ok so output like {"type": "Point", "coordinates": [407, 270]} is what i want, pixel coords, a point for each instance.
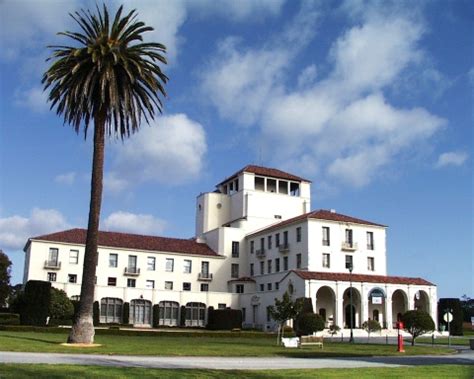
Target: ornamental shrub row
{"type": "Point", "coordinates": [224, 319]}
{"type": "Point", "coordinates": [9, 319]}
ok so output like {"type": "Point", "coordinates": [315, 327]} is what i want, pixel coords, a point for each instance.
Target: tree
{"type": "Point", "coordinates": [5, 273]}
{"type": "Point", "coordinates": [417, 323]}
{"type": "Point", "coordinates": [453, 305]}
{"type": "Point", "coordinates": [60, 306]}
{"type": "Point", "coordinates": [467, 305]}
{"type": "Point", "coordinates": [114, 79]}
{"type": "Point", "coordinates": [371, 326]}
{"type": "Point", "coordinates": [308, 323]}
{"type": "Point", "coordinates": [284, 310]}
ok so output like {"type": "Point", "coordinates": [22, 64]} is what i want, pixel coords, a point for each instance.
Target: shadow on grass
{"type": "Point", "coordinates": [32, 339]}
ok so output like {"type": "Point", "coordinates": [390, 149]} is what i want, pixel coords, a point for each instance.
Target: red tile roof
{"type": "Point", "coordinates": [266, 171]}
{"type": "Point", "coordinates": [132, 242]}
{"type": "Point", "coordinates": [321, 214]}
{"type": "Point", "coordinates": [345, 277]}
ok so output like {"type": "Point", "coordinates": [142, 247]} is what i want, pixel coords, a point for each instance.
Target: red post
{"type": "Point", "coordinates": [400, 338]}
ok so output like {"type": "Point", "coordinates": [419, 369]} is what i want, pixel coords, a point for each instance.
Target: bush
{"type": "Point", "coordinates": [36, 299]}
{"type": "Point", "coordinates": [96, 313]}
{"type": "Point", "coordinates": [60, 306]}
{"type": "Point", "coordinates": [308, 323]}
{"type": "Point", "coordinates": [182, 316]}
{"type": "Point", "coordinates": [126, 312]}
{"type": "Point", "coordinates": [9, 319]}
{"type": "Point", "coordinates": [457, 312]}
{"type": "Point", "coordinates": [57, 322]}
{"type": "Point", "coordinates": [224, 319]}
{"type": "Point", "coordinates": [156, 315]}
{"type": "Point", "coordinates": [371, 326]}
{"type": "Point", "coordinates": [417, 323]}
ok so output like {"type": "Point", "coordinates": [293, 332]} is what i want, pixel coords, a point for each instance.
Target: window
{"type": "Point", "coordinates": [169, 267]}
{"type": "Point", "coordinates": [243, 314]}
{"type": "Point", "coordinates": [349, 262]}
{"type": "Point", "coordinates": [234, 270]}
{"type": "Point", "coordinates": [111, 281]}
{"type": "Point", "coordinates": [326, 260]}
{"type": "Point", "coordinates": [195, 314]}
{"type": "Point", "coordinates": [285, 238]}
{"type": "Point", "coordinates": [370, 240]}
{"type": "Point", "coordinates": [53, 257]}
{"type": "Point", "coordinates": [205, 269]}
{"type": "Point", "coordinates": [113, 260]}
{"type": "Point", "coordinates": [277, 239]}
{"type": "Point", "coordinates": [75, 298]}
{"type": "Point", "coordinates": [151, 263]}
{"type": "Point", "coordinates": [262, 267]}
{"type": "Point", "coordinates": [252, 247]}
{"type": "Point", "coordinates": [269, 314]}
{"type": "Point", "coordinates": [349, 237]}
{"type": "Point", "coordinates": [51, 276]}
{"type": "Point", "coordinates": [278, 217]}
{"type": "Point", "coordinates": [187, 266]}
{"type": "Point", "coordinates": [370, 264]}
{"type": "Point", "coordinates": [72, 278]}
{"type": "Point", "coordinates": [131, 283]}
{"type": "Point", "coordinates": [186, 286]}
{"type": "Point", "coordinates": [110, 310]}
{"type": "Point", "coordinates": [298, 260]}
{"type": "Point", "coordinates": [326, 236]}
{"type": "Point", "coordinates": [132, 263]}
{"type": "Point", "coordinates": [294, 189]}
{"type": "Point", "coordinates": [277, 265]}
{"type": "Point", "coordinates": [283, 187]}
{"type": "Point", "coordinates": [204, 287]}
{"type": "Point", "coordinates": [269, 242]}
{"type": "Point", "coordinates": [168, 285]}
{"type": "Point", "coordinates": [277, 286]}
{"type": "Point", "coordinates": [239, 288]}
{"type": "Point", "coordinates": [221, 306]}
{"type": "Point", "coordinates": [269, 286]}
{"type": "Point", "coordinates": [285, 263]}
{"type": "Point", "coordinates": [259, 184]}
{"type": "Point", "coordinates": [74, 257]}
{"type": "Point", "coordinates": [262, 244]}
{"type": "Point", "coordinates": [235, 249]}
{"type": "Point", "coordinates": [298, 234]}
{"type": "Point", "coordinates": [271, 185]}
{"type": "Point", "coordinates": [150, 284]}
{"type": "Point", "coordinates": [262, 287]}
{"type": "Point", "coordinates": [251, 269]}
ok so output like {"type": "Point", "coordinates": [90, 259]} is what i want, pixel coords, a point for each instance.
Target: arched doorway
{"type": "Point", "coordinates": [399, 305]}
{"type": "Point", "coordinates": [422, 301]}
{"type": "Point", "coordinates": [356, 301]}
{"type": "Point", "coordinates": [376, 303]}
{"type": "Point", "coordinates": [168, 313]}
{"type": "Point", "coordinates": [140, 312]}
{"type": "Point", "coordinates": [326, 305]}
{"type": "Point", "coordinates": [111, 310]}
{"type": "Point", "coordinates": [195, 314]}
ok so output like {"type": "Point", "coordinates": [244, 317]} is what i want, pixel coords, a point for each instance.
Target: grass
{"type": "Point", "coordinates": [15, 371]}
{"type": "Point", "coordinates": [171, 345]}
{"type": "Point", "coordinates": [444, 340]}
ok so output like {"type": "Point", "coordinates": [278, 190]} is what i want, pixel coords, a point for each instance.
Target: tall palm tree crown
{"type": "Point", "coordinates": [106, 74]}
{"type": "Point", "coordinates": [111, 78]}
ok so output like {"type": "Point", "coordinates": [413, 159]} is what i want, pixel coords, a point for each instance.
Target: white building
{"type": "Point", "coordinates": [255, 239]}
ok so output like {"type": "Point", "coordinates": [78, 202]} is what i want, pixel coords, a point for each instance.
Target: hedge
{"type": "Point", "coordinates": [308, 323]}
{"type": "Point", "coordinates": [156, 315]}
{"type": "Point", "coordinates": [96, 313]}
{"type": "Point", "coordinates": [126, 312]}
{"type": "Point", "coordinates": [37, 297]}
{"type": "Point", "coordinates": [224, 319]}
{"type": "Point", "coordinates": [9, 319]}
{"type": "Point", "coordinates": [182, 316]}
{"type": "Point", "coordinates": [456, 324]}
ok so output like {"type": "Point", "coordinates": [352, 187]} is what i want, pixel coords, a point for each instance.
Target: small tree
{"type": "Point", "coordinates": [333, 330]}
{"type": "Point", "coordinates": [5, 272]}
{"type": "Point", "coordinates": [371, 326]}
{"type": "Point", "coordinates": [417, 323]}
{"type": "Point", "coordinates": [308, 323]}
{"type": "Point", "coordinates": [60, 306]}
{"type": "Point", "coordinates": [283, 310]}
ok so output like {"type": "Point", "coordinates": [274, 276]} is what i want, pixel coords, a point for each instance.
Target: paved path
{"type": "Point", "coordinates": [233, 363]}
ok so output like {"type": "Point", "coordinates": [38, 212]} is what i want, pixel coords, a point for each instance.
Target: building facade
{"type": "Point", "coordinates": [255, 239]}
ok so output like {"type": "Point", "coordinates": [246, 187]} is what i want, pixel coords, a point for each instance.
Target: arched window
{"type": "Point", "coordinates": [322, 313]}
{"type": "Point", "coordinates": [140, 312]}
{"type": "Point", "coordinates": [111, 310]}
{"type": "Point", "coordinates": [168, 313]}
{"type": "Point", "coordinates": [195, 314]}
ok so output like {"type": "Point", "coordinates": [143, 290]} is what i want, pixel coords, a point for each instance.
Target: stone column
{"type": "Point", "coordinates": [340, 312]}
{"type": "Point", "coordinates": [388, 312]}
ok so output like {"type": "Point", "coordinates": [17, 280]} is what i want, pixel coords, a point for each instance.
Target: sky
{"type": "Point", "coordinates": [372, 101]}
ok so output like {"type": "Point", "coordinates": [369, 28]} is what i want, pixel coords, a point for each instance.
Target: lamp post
{"type": "Point", "coordinates": [351, 338]}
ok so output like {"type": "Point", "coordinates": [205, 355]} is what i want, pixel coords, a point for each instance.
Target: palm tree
{"type": "Point", "coordinates": [113, 78]}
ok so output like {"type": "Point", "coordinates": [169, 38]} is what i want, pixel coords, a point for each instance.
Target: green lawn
{"type": "Point", "coordinates": [444, 340]}
{"type": "Point", "coordinates": [171, 345]}
{"type": "Point", "coordinates": [10, 371]}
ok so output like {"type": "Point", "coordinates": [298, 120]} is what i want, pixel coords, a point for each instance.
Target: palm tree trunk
{"type": "Point", "coordinates": [82, 330]}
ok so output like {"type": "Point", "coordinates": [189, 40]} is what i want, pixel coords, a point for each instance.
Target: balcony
{"type": "Point", "coordinates": [260, 253]}
{"type": "Point", "coordinates": [52, 265]}
{"type": "Point", "coordinates": [285, 248]}
{"type": "Point", "coordinates": [349, 246]}
{"type": "Point", "coordinates": [131, 271]}
{"type": "Point", "coordinates": [205, 276]}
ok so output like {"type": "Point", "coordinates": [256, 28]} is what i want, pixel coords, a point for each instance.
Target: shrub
{"type": "Point", "coordinates": [308, 323]}
{"type": "Point", "coordinates": [371, 326]}
{"type": "Point", "coordinates": [224, 319]}
{"type": "Point", "coordinates": [60, 307]}
{"type": "Point", "coordinates": [126, 312]}
{"type": "Point", "coordinates": [417, 323]}
{"type": "Point", "coordinates": [9, 319]}
{"type": "Point", "coordinates": [457, 312]}
{"type": "Point", "coordinates": [36, 298]}
{"type": "Point", "coordinates": [57, 322]}
{"type": "Point", "coordinates": [303, 305]}
{"type": "Point", "coordinates": [96, 313]}
{"type": "Point", "coordinates": [156, 316]}
{"type": "Point", "coordinates": [182, 316]}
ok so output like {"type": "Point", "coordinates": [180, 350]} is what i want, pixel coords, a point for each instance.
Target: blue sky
{"type": "Point", "coordinates": [372, 101]}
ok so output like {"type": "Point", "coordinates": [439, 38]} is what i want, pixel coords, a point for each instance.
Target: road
{"type": "Point", "coordinates": [465, 357]}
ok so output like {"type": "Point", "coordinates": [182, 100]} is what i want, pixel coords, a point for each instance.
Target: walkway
{"type": "Point", "coordinates": [233, 363]}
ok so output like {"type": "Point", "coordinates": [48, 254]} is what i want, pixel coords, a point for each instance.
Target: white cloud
{"type": "Point", "coordinates": [68, 178]}
{"type": "Point", "coordinates": [134, 223]}
{"type": "Point", "coordinates": [242, 10]}
{"type": "Point", "coordinates": [34, 98]}
{"type": "Point", "coordinates": [15, 230]}
{"type": "Point", "coordinates": [453, 158]}
{"type": "Point", "coordinates": [343, 121]}
{"type": "Point", "coordinates": [170, 151]}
